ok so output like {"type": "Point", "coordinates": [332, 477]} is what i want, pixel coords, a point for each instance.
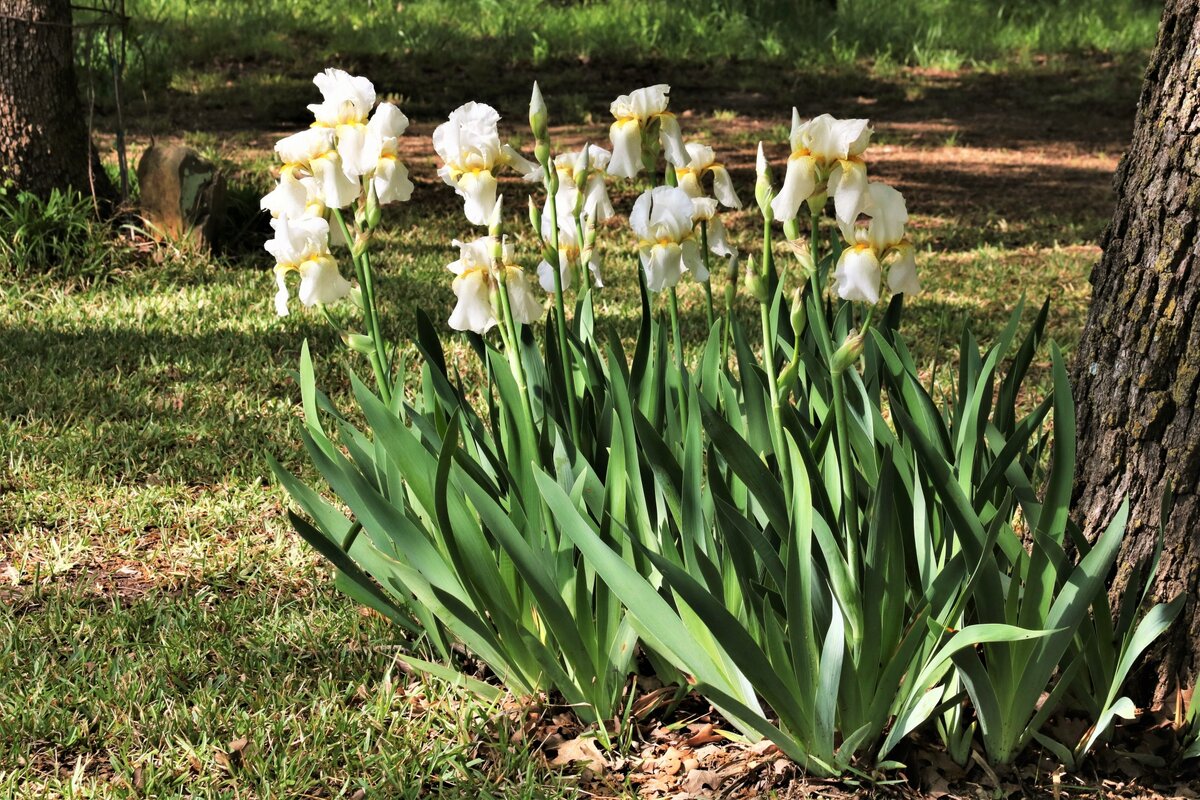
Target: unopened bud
{"type": "Point", "coordinates": [374, 211]}
{"type": "Point", "coordinates": [799, 315]}
{"type": "Point", "coordinates": [672, 178]}
{"type": "Point", "coordinates": [848, 353]}
{"type": "Point", "coordinates": [538, 116]}
{"type": "Point", "coordinates": [358, 342]}
{"type": "Point", "coordinates": [763, 191]}
{"type": "Point", "coordinates": [816, 203]}
{"type": "Point", "coordinates": [494, 225]}
{"type": "Point", "coordinates": [582, 166]}
{"type": "Point", "coordinates": [731, 269]}
{"type": "Point", "coordinates": [535, 216]}
{"type": "Point", "coordinates": [361, 239]}
{"type": "Point", "coordinates": [755, 284]}
{"type": "Point", "coordinates": [541, 151]}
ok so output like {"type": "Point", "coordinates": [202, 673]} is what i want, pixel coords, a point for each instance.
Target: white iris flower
{"type": "Point", "coordinates": [638, 113]}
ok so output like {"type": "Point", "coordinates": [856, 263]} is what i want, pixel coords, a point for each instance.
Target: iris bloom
{"type": "Point", "coordinates": [469, 146]}
{"type": "Point", "coordinates": [638, 113]}
{"type": "Point", "coordinates": [826, 159]}
{"type": "Point", "coordinates": [585, 166]}
{"type": "Point", "coordinates": [667, 246]}
{"type": "Point", "coordinates": [701, 161]}
{"type": "Point", "coordinates": [476, 284]}
{"type": "Point", "coordinates": [859, 269]}
{"type": "Point", "coordinates": [312, 153]}
{"type": "Point", "coordinates": [346, 102]}
{"type": "Point", "coordinates": [380, 151]}
{"type": "Point", "coordinates": [302, 246]}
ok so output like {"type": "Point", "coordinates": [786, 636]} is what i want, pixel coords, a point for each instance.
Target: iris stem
{"type": "Point", "coordinates": [513, 351]}
{"type": "Point", "coordinates": [708, 299]}
{"type": "Point", "coordinates": [840, 410]}
{"type": "Point", "coordinates": [673, 304]}
{"type": "Point", "coordinates": [362, 269]}
{"type": "Point", "coordinates": [768, 332]}
{"type": "Point", "coordinates": [560, 312]}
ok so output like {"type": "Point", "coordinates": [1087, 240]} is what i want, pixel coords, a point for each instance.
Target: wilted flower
{"type": "Point", "coordinates": [570, 251]}
{"type": "Point", "coordinates": [470, 149]}
{"type": "Point", "coordinates": [667, 246]}
{"type": "Point", "coordinates": [704, 209]}
{"type": "Point", "coordinates": [639, 113]}
{"type": "Point", "coordinates": [859, 269]}
{"type": "Point", "coordinates": [826, 159]}
{"type": "Point", "coordinates": [302, 246]}
{"type": "Point", "coordinates": [581, 173]}
{"type": "Point", "coordinates": [701, 161]}
{"type": "Point", "coordinates": [476, 284]}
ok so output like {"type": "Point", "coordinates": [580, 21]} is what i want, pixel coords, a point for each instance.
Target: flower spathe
{"type": "Point", "coordinates": [826, 158]}
{"type": "Point", "coordinates": [859, 271]}
{"type": "Point", "coordinates": [476, 285]}
{"type": "Point", "coordinates": [702, 160]}
{"type": "Point", "coordinates": [637, 113]}
{"type": "Point", "coordinates": [662, 219]}
{"type": "Point", "coordinates": [302, 246]}
{"type": "Point", "coordinates": [469, 146]}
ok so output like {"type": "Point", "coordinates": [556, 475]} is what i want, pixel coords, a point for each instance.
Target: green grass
{"type": "Point", "coordinates": [207, 44]}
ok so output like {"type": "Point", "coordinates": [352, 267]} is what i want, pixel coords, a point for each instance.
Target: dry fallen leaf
{"type": "Point", "coordinates": [702, 734]}
{"type": "Point", "coordinates": [580, 750]}
{"type": "Point", "coordinates": [699, 780]}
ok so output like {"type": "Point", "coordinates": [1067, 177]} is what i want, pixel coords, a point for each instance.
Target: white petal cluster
{"type": "Point", "coordinates": [702, 160]}
{"type": "Point", "coordinates": [826, 158]}
{"type": "Point", "coordinates": [872, 243]}
{"type": "Point", "coordinates": [469, 146]}
{"type": "Point", "coordinates": [663, 220]}
{"type": "Point", "coordinates": [476, 285]}
{"type": "Point", "coordinates": [302, 245]}
{"type": "Point", "coordinates": [637, 114]}
{"type": "Point", "coordinates": [347, 151]}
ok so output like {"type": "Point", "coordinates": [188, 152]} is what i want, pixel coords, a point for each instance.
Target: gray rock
{"type": "Point", "coordinates": [182, 194]}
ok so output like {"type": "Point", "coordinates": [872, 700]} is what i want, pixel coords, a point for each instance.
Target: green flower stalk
{"type": "Point", "coordinates": [538, 123]}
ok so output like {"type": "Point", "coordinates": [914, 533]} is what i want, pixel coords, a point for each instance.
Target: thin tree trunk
{"type": "Point", "coordinates": [1137, 370]}
{"type": "Point", "coordinates": [43, 135]}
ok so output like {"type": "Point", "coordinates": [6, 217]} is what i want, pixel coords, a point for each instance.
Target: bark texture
{"type": "Point", "coordinates": [1138, 364]}
{"type": "Point", "coordinates": [43, 134]}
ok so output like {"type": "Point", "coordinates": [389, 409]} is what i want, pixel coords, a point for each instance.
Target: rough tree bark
{"type": "Point", "coordinates": [1137, 370]}
{"type": "Point", "coordinates": [43, 134]}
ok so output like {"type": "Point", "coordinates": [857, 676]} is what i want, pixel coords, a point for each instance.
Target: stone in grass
{"type": "Point", "coordinates": [182, 194]}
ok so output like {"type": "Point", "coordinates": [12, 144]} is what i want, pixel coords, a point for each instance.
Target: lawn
{"type": "Point", "coordinates": [162, 631]}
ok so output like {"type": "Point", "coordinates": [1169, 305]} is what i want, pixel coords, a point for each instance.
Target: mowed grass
{"type": "Point", "coordinates": [930, 33]}
{"type": "Point", "coordinates": [155, 608]}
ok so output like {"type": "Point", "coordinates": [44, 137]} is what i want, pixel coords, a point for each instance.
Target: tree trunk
{"type": "Point", "coordinates": [1137, 370]}
{"type": "Point", "coordinates": [44, 140]}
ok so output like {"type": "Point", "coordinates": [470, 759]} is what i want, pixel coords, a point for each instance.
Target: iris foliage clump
{"type": "Point", "coordinates": [790, 522]}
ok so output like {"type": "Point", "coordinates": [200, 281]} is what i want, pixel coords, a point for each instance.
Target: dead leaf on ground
{"type": "Point", "coordinates": [699, 780]}
{"type": "Point", "coordinates": [580, 750]}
